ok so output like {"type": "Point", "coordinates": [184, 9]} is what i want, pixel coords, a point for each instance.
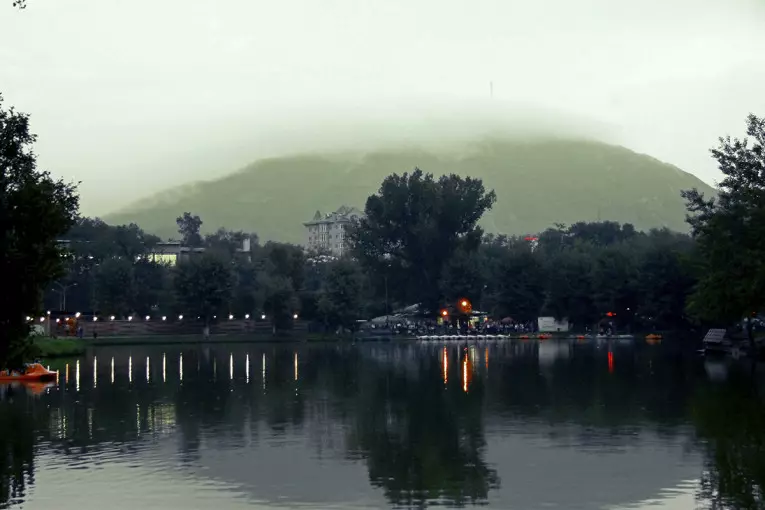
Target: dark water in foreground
{"type": "Point", "coordinates": [516, 424]}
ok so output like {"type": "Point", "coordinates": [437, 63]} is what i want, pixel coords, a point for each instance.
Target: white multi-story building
{"type": "Point", "coordinates": [327, 232]}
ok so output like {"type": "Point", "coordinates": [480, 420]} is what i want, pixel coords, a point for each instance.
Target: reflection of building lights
{"type": "Point", "coordinates": [446, 366]}
{"type": "Point", "coordinates": [77, 376]}
{"type": "Point", "coordinates": [112, 370]}
{"type": "Point", "coordinates": [164, 367]}
{"type": "Point", "coordinates": [247, 368]}
{"type": "Point", "coordinates": [296, 366]}
{"type": "Point", "coordinates": [148, 372]}
{"type": "Point", "coordinates": [487, 358]}
{"type": "Point", "coordinates": [610, 362]}
{"type": "Point", "coordinates": [95, 371]}
{"type": "Point", "coordinates": [180, 367]}
{"type": "Point", "coordinates": [66, 374]}
{"type": "Point", "coordinates": [130, 369]}
{"type": "Point", "coordinates": [465, 375]}
{"type": "Point", "coordinates": [231, 366]}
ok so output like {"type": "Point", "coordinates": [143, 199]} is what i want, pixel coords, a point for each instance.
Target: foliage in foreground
{"type": "Point", "coordinates": [35, 209]}
{"type": "Point", "coordinates": [730, 230]}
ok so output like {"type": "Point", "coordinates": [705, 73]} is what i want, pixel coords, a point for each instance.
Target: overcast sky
{"type": "Point", "coordinates": [131, 96]}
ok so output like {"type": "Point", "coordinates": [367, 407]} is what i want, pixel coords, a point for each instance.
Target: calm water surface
{"type": "Point", "coordinates": [518, 425]}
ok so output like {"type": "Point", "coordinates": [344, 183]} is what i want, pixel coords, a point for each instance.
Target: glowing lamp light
{"type": "Point", "coordinates": [180, 317]}
{"type": "Point", "coordinates": [95, 319]}
{"type": "Point", "coordinates": [77, 315]}
{"type": "Point", "coordinates": [48, 312]}
{"type": "Point", "coordinates": [29, 318]}
{"type": "Point", "coordinates": [111, 318]}
{"type": "Point", "coordinates": [147, 317]}
{"type": "Point", "coordinates": [230, 316]}
{"type": "Point", "coordinates": [164, 318]}
{"type": "Point", "coordinates": [464, 303]}
{"type": "Point", "coordinates": [247, 316]}
{"type": "Point", "coordinates": [42, 319]}
{"type": "Point", "coordinates": [130, 317]}
{"type": "Point", "coordinates": [263, 317]}
{"type": "Point", "coordinates": [295, 316]}
{"type": "Point", "coordinates": [444, 313]}
{"type": "Point", "coordinates": [58, 320]}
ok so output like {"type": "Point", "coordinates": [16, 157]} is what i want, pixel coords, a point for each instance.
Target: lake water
{"type": "Point", "coordinates": [508, 424]}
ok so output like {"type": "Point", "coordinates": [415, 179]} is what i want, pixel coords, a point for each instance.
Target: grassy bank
{"type": "Point", "coordinates": [59, 347]}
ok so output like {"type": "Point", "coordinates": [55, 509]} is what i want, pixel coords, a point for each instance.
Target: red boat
{"type": "Point", "coordinates": [32, 373]}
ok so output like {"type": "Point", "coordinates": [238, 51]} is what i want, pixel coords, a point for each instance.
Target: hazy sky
{"type": "Point", "coordinates": [131, 96]}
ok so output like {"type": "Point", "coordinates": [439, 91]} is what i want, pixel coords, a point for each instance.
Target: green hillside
{"type": "Point", "coordinates": [538, 183]}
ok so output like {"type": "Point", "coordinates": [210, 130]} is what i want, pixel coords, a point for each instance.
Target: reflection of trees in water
{"type": "Point", "coordinates": [422, 441]}
{"type": "Point", "coordinates": [730, 419]}
{"type": "Point", "coordinates": [17, 441]}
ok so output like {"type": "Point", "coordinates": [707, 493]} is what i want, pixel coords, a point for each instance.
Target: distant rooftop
{"type": "Point", "coordinates": [344, 213]}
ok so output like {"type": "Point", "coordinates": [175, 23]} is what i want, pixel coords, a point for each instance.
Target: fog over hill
{"type": "Point", "coordinates": [135, 97]}
{"type": "Point", "coordinates": [539, 179]}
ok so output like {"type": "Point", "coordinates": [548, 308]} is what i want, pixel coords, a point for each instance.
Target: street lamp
{"type": "Point", "coordinates": [62, 293]}
{"type": "Point", "coordinates": [247, 316]}
{"type": "Point", "coordinates": [77, 315]}
{"type": "Point", "coordinates": [295, 316]}
{"type": "Point", "coordinates": [263, 317]}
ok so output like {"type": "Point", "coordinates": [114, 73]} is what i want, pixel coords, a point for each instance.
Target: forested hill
{"type": "Point", "coordinates": [538, 183]}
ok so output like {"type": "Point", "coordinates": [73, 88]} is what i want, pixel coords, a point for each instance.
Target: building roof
{"type": "Point", "coordinates": [343, 214]}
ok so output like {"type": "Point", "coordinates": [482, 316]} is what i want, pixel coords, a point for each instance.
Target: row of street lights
{"type": "Point", "coordinates": [148, 317]}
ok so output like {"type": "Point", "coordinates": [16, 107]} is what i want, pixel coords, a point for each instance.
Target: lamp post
{"type": "Point", "coordinates": [62, 293]}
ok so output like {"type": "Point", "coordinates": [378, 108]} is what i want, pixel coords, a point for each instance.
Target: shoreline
{"type": "Point", "coordinates": [67, 347]}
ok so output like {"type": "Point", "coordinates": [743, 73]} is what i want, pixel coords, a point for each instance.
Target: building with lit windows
{"type": "Point", "coordinates": [327, 232]}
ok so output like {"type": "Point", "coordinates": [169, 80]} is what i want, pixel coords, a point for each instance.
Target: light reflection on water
{"type": "Point", "coordinates": [377, 425]}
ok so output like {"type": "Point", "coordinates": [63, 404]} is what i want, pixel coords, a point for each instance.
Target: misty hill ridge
{"type": "Point", "coordinates": [538, 183]}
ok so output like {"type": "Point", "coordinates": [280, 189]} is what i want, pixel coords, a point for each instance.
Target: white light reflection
{"type": "Point", "coordinates": [77, 376]}
{"type": "Point", "coordinates": [215, 369]}
{"type": "Point", "coordinates": [66, 374]}
{"type": "Point", "coordinates": [164, 368]}
{"type": "Point", "coordinates": [231, 366]}
{"type": "Point", "coordinates": [247, 368]}
{"type": "Point", "coordinates": [95, 372]}
{"type": "Point", "coordinates": [180, 367]}
{"type": "Point", "coordinates": [296, 366]}
{"type": "Point", "coordinates": [130, 369]}
{"type": "Point", "coordinates": [147, 369]}
{"type": "Point", "coordinates": [112, 369]}
{"type": "Point", "coordinates": [264, 370]}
